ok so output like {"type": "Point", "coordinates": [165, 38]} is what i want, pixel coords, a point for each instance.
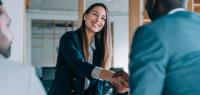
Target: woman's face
{"type": "Point", "coordinates": [95, 19]}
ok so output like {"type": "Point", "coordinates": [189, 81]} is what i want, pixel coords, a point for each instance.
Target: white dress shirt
{"type": "Point", "coordinates": [176, 10]}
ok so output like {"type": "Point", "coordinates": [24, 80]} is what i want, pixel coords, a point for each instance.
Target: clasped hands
{"type": "Point", "coordinates": [120, 81]}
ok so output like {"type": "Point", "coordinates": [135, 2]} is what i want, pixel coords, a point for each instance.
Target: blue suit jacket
{"type": "Point", "coordinates": [72, 68]}
{"type": "Point", "coordinates": [165, 56]}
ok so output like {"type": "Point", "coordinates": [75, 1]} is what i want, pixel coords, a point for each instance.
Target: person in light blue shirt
{"type": "Point", "coordinates": [15, 78]}
{"type": "Point", "coordinates": [165, 54]}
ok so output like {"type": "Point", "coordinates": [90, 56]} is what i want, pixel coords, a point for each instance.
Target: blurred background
{"type": "Point", "coordinates": [39, 24]}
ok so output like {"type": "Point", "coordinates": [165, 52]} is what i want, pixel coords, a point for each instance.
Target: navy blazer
{"type": "Point", "coordinates": [165, 56]}
{"type": "Point", "coordinates": [72, 68]}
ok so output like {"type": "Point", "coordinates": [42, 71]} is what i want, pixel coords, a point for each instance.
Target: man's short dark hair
{"type": "Point", "coordinates": [1, 2]}
{"type": "Point", "coordinates": [174, 3]}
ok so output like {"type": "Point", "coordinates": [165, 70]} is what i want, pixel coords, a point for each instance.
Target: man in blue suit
{"type": "Point", "coordinates": [165, 54]}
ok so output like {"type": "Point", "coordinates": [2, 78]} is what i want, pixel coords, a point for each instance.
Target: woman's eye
{"type": "Point", "coordinates": [103, 19]}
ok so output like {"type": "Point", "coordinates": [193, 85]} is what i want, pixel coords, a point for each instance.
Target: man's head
{"type": "Point", "coordinates": [6, 35]}
{"type": "Point", "coordinates": [158, 8]}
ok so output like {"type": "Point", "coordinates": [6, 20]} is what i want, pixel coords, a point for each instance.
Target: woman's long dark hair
{"type": "Point", "coordinates": [103, 37]}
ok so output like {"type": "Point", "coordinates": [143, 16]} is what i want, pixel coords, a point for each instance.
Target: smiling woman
{"type": "Point", "coordinates": [84, 56]}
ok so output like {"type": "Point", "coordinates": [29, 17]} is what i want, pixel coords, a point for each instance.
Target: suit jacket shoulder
{"type": "Point", "coordinates": [19, 79]}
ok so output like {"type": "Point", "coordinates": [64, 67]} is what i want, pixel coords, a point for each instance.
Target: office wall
{"type": "Point", "coordinates": [121, 42]}
{"type": "Point", "coordinates": [15, 8]}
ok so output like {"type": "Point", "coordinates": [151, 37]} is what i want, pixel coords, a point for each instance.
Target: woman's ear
{"type": "Point", "coordinates": [84, 17]}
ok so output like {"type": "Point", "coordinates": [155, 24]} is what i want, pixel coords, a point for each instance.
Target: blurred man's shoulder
{"type": "Point", "coordinates": [8, 64]}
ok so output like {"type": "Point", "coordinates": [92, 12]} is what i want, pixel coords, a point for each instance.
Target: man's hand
{"type": "Point", "coordinates": [120, 81]}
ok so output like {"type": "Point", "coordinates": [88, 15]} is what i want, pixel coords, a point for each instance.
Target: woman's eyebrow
{"type": "Point", "coordinates": [98, 13]}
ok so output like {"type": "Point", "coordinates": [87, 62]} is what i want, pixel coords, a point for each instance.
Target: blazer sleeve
{"type": "Point", "coordinates": [73, 56]}
{"type": "Point", "coordinates": [148, 62]}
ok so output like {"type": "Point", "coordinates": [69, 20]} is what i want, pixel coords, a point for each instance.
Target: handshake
{"type": "Point", "coordinates": [119, 81]}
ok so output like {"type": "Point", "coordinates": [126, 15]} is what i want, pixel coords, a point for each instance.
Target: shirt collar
{"type": "Point", "coordinates": [176, 10]}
